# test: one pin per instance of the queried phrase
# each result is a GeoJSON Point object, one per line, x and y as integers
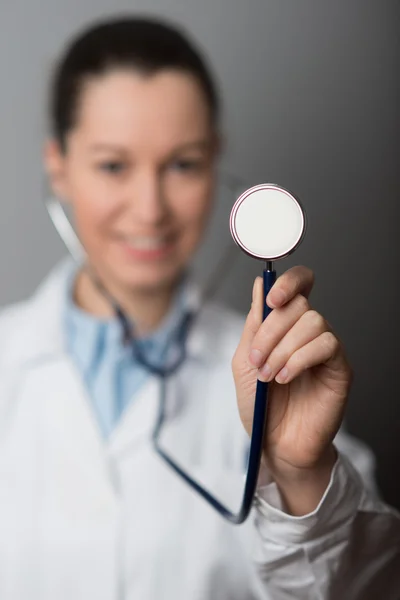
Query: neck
{"type": "Point", "coordinates": [146, 308]}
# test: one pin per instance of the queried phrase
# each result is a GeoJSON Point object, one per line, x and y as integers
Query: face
{"type": "Point", "coordinates": [138, 171]}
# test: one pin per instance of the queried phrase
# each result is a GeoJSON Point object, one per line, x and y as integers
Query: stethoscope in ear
{"type": "Point", "coordinates": [268, 223]}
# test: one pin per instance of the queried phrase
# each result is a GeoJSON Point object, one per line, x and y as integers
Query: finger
{"type": "Point", "coordinates": [297, 280]}
{"type": "Point", "coordinates": [324, 350]}
{"type": "Point", "coordinates": [309, 327]}
{"type": "Point", "coordinates": [274, 328]}
{"type": "Point", "coordinates": [254, 317]}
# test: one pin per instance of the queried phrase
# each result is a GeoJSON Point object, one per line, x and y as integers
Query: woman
{"type": "Point", "coordinates": [87, 509]}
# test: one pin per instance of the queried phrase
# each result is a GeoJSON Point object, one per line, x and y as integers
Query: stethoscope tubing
{"type": "Point", "coordinates": [73, 245]}
{"type": "Point", "coordinates": [256, 442]}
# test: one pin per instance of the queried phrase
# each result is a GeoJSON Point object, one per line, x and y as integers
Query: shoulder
{"type": "Point", "coordinates": [13, 320]}
{"type": "Point", "coordinates": [32, 327]}
{"type": "Point", "coordinates": [15, 325]}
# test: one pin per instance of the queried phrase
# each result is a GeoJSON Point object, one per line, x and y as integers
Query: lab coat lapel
{"type": "Point", "coordinates": [52, 388]}
{"type": "Point", "coordinates": [137, 423]}
{"type": "Point", "coordinates": [138, 420]}
{"type": "Point", "coordinates": [68, 426]}
{"type": "Point", "coordinates": [62, 390]}
{"type": "Point", "coordinates": [63, 487]}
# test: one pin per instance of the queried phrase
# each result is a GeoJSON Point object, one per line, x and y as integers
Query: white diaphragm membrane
{"type": "Point", "coordinates": [267, 222]}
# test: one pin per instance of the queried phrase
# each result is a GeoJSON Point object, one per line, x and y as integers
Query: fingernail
{"type": "Point", "coordinates": [266, 372]}
{"type": "Point", "coordinates": [282, 375]}
{"type": "Point", "coordinates": [277, 297]}
{"type": "Point", "coordinates": [256, 358]}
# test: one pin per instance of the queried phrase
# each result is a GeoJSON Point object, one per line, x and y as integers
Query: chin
{"type": "Point", "coordinates": [148, 280]}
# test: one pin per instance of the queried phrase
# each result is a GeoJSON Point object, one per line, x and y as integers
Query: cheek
{"type": "Point", "coordinates": [93, 207]}
{"type": "Point", "coordinates": [193, 211]}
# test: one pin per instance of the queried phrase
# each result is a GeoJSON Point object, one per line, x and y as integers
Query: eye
{"type": "Point", "coordinates": [187, 165]}
{"type": "Point", "coordinates": [114, 167]}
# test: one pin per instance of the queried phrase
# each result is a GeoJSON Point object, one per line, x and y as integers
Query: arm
{"type": "Point", "coordinates": [319, 528]}
{"type": "Point", "coordinates": [348, 547]}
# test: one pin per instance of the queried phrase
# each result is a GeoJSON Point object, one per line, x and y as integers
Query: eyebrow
{"type": "Point", "coordinates": [195, 145]}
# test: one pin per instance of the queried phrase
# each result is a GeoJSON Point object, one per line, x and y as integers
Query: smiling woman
{"type": "Point", "coordinates": [87, 508]}
{"type": "Point", "coordinates": [141, 183]}
{"type": "Point", "coordinates": [139, 173]}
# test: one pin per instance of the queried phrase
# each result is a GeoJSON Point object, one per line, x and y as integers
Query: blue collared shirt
{"type": "Point", "coordinates": [107, 366]}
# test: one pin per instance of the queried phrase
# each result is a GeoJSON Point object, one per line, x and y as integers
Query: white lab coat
{"type": "Point", "coordinates": [81, 518]}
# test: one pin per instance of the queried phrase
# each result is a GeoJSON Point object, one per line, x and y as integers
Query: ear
{"type": "Point", "coordinates": [55, 165]}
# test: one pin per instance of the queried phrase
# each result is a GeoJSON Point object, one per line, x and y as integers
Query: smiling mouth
{"type": "Point", "coordinates": [147, 247]}
{"type": "Point", "coordinates": [147, 243]}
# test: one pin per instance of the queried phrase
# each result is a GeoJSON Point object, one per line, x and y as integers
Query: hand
{"type": "Point", "coordinates": [296, 350]}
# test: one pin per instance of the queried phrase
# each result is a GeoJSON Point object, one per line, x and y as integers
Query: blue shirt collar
{"type": "Point", "coordinates": [88, 334]}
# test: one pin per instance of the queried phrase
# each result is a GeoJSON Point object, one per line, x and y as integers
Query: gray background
{"type": "Point", "coordinates": [311, 92]}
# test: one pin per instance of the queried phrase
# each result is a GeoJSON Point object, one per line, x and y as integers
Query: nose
{"type": "Point", "coordinates": [146, 198]}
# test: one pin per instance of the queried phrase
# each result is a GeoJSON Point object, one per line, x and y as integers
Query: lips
{"type": "Point", "coordinates": [147, 247]}
{"type": "Point", "coordinates": [146, 243]}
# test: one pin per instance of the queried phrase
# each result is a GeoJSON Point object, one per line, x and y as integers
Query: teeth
{"type": "Point", "coordinates": [145, 243]}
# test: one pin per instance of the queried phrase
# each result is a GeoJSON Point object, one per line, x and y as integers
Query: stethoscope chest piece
{"type": "Point", "coordinates": [267, 222]}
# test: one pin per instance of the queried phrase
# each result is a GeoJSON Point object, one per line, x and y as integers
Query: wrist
{"type": "Point", "coordinates": [302, 488]}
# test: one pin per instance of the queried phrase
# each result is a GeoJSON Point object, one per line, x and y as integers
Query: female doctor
{"type": "Point", "coordinates": [87, 510]}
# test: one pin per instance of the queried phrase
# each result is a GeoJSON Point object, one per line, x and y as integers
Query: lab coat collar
{"type": "Point", "coordinates": [41, 336]}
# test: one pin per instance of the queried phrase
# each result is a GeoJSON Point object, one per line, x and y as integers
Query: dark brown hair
{"type": "Point", "coordinates": [143, 44]}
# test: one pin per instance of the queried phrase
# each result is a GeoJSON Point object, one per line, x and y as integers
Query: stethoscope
{"type": "Point", "coordinates": [268, 223]}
